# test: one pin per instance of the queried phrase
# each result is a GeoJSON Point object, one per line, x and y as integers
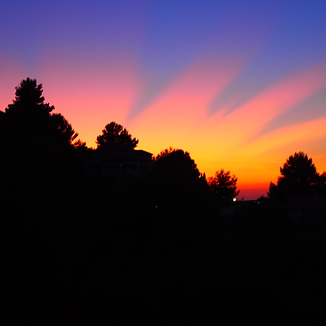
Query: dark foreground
{"type": "Point", "coordinates": [66, 263]}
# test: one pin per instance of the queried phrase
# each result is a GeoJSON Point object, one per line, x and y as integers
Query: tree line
{"type": "Point", "coordinates": [30, 124]}
{"type": "Point", "coordinates": [28, 127]}
{"type": "Point", "coordinates": [156, 246]}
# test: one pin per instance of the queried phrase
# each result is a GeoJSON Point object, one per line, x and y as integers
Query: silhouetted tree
{"type": "Point", "coordinates": [29, 96]}
{"type": "Point", "coordinates": [176, 164]}
{"type": "Point", "coordinates": [115, 135]}
{"type": "Point", "coordinates": [298, 176]}
{"type": "Point", "coordinates": [178, 184]}
{"type": "Point", "coordinates": [29, 119]}
{"type": "Point", "coordinates": [36, 146]}
{"type": "Point", "coordinates": [322, 182]}
{"type": "Point", "coordinates": [63, 129]}
{"type": "Point", "coordinates": [223, 185]}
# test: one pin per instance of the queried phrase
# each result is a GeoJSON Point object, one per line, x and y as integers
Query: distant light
{"type": "Point", "coordinates": [234, 199]}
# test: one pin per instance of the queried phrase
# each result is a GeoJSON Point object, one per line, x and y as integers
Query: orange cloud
{"type": "Point", "coordinates": [176, 115]}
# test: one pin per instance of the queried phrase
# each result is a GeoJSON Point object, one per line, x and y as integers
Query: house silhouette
{"type": "Point", "coordinates": [116, 161]}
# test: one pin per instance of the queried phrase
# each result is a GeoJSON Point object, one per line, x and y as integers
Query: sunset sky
{"type": "Point", "coordinates": [240, 85]}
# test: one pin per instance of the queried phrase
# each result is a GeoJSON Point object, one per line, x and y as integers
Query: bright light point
{"type": "Point", "coordinates": [234, 199]}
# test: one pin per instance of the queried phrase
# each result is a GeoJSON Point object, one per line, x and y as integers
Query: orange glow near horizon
{"type": "Point", "coordinates": [178, 115]}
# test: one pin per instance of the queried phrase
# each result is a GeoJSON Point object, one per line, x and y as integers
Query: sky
{"type": "Point", "coordinates": [240, 85]}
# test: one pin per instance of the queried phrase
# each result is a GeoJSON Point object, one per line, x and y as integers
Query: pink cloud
{"type": "Point", "coordinates": [285, 94]}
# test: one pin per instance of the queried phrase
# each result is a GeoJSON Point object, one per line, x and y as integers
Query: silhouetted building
{"type": "Point", "coordinates": [117, 162]}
